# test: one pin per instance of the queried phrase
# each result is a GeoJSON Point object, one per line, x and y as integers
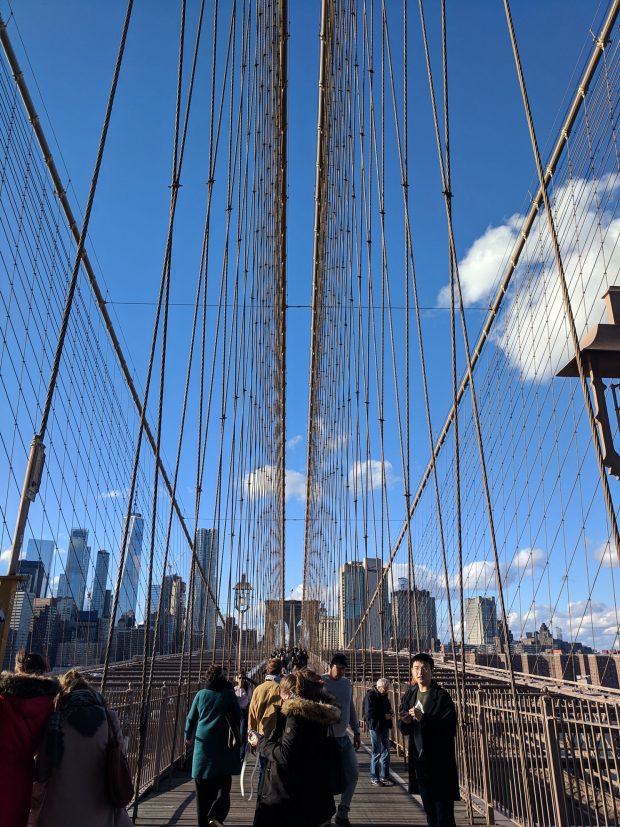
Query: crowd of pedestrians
{"type": "Point", "coordinates": [292, 658]}
{"type": "Point", "coordinates": [56, 734]}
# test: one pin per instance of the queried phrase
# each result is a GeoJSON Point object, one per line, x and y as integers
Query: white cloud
{"type": "Point", "coordinates": [480, 269]}
{"type": "Point", "coordinates": [606, 554]}
{"type": "Point", "coordinates": [593, 623]}
{"type": "Point", "coordinates": [295, 485]}
{"type": "Point", "coordinates": [370, 474]}
{"type": "Point", "coordinates": [5, 556]}
{"type": "Point", "coordinates": [532, 330]}
{"type": "Point", "coordinates": [296, 593]}
{"type": "Point", "coordinates": [263, 482]}
{"type": "Point", "coordinates": [478, 576]}
{"type": "Point", "coordinates": [294, 441]}
{"type": "Point", "coordinates": [333, 440]}
{"type": "Point", "coordinates": [111, 495]}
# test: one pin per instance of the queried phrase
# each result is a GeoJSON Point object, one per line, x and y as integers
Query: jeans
{"type": "Point", "coordinates": [380, 742]}
{"type": "Point", "coordinates": [350, 772]}
{"type": "Point", "coordinates": [212, 798]}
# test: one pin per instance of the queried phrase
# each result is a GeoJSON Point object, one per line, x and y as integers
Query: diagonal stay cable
{"type": "Point", "coordinates": [478, 429]}
{"type": "Point", "coordinates": [174, 189]}
{"type": "Point", "coordinates": [73, 227]}
{"type": "Point", "coordinates": [515, 255]}
{"type": "Point", "coordinates": [566, 299]}
{"type": "Point", "coordinates": [39, 437]}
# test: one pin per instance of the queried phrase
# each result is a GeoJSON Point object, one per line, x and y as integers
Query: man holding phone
{"type": "Point", "coordinates": [428, 716]}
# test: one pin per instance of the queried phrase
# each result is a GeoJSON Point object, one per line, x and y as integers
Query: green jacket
{"type": "Point", "coordinates": [207, 723]}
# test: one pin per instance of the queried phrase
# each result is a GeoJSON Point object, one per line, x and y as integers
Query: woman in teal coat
{"type": "Point", "coordinates": [214, 709]}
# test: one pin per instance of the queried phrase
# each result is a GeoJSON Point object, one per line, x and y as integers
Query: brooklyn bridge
{"type": "Point", "coordinates": [310, 339]}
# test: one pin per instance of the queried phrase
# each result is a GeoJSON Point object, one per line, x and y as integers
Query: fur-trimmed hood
{"type": "Point", "coordinates": [320, 712]}
{"type": "Point", "coordinates": [28, 686]}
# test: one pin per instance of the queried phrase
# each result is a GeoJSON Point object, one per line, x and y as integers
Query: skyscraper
{"type": "Point", "coordinates": [207, 542]}
{"type": "Point", "coordinates": [128, 595]}
{"type": "Point", "coordinates": [358, 582]}
{"type": "Point", "coordinates": [19, 629]}
{"type": "Point", "coordinates": [100, 581]}
{"type": "Point", "coordinates": [42, 550]}
{"type": "Point", "coordinates": [172, 614]}
{"type": "Point", "coordinates": [34, 570]}
{"type": "Point", "coordinates": [405, 602]}
{"type": "Point", "coordinates": [350, 601]}
{"type": "Point", "coordinates": [72, 583]}
{"type": "Point", "coordinates": [480, 620]}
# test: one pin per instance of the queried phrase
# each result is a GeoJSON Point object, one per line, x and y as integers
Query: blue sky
{"type": "Point", "coordinates": [71, 47]}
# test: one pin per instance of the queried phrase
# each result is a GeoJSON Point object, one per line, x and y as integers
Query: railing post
{"type": "Point", "coordinates": [160, 736]}
{"type": "Point", "coordinates": [554, 763]}
{"type": "Point", "coordinates": [489, 813]}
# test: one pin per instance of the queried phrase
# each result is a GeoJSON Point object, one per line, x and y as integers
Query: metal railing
{"type": "Point", "coordinates": [572, 752]}
{"type": "Point", "coordinates": [160, 733]}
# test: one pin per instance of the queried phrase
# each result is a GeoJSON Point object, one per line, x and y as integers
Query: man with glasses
{"type": "Point", "coordinates": [428, 716]}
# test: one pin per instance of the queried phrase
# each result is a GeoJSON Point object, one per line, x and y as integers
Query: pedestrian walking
{"type": "Point", "coordinates": [295, 784]}
{"type": "Point", "coordinates": [72, 768]}
{"type": "Point", "coordinates": [378, 715]}
{"type": "Point", "coordinates": [26, 702]}
{"type": "Point", "coordinates": [265, 699]}
{"type": "Point", "coordinates": [243, 691]}
{"type": "Point", "coordinates": [341, 688]}
{"type": "Point", "coordinates": [428, 716]}
{"type": "Point", "coordinates": [213, 714]}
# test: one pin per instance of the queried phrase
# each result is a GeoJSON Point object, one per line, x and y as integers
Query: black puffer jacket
{"type": "Point", "coordinates": [295, 783]}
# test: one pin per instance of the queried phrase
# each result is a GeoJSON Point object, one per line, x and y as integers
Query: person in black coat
{"type": "Point", "coordinates": [295, 785]}
{"type": "Point", "coordinates": [428, 716]}
{"type": "Point", "coordinates": [378, 715]}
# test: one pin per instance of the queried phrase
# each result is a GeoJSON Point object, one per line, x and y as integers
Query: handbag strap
{"type": "Point", "coordinates": [112, 739]}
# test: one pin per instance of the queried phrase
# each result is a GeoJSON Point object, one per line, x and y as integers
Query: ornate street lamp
{"type": "Point", "coordinates": [600, 351]}
{"type": "Point", "coordinates": [243, 597]}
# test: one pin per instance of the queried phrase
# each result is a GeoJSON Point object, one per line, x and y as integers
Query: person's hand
{"type": "Point", "coordinates": [253, 738]}
{"type": "Point", "coordinates": [357, 742]}
{"type": "Point", "coordinates": [417, 714]}
{"type": "Point", "coordinates": [412, 712]}
{"type": "Point", "coordinates": [388, 716]}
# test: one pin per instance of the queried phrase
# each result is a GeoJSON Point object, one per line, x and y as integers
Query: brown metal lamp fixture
{"type": "Point", "coordinates": [600, 351]}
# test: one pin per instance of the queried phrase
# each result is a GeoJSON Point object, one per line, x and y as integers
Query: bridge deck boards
{"type": "Point", "coordinates": [371, 805]}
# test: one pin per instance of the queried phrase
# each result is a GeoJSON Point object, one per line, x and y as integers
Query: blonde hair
{"type": "Point", "coordinates": [72, 680]}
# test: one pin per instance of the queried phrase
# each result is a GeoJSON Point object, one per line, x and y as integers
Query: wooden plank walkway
{"type": "Point", "coordinates": [371, 805]}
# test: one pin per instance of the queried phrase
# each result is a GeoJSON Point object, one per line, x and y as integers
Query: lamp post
{"type": "Point", "coordinates": [243, 596]}
{"type": "Point", "coordinates": [600, 351]}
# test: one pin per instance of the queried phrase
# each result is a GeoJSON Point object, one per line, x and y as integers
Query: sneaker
{"type": "Point", "coordinates": [215, 823]}
{"type": "Point", "coordinates": [387, 782]}
{"type": "Point", "coordinates": [375, 781]}
{"type": "Point", "coordinates": [343, 821]}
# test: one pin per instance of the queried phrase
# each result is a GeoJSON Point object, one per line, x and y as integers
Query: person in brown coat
{"type": "Point", "coordinates": [26, 702]}
{"type": "Point", "coordinates": [72, 760]}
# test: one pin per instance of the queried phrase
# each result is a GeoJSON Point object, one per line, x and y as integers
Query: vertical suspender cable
{"type": "Point", "coordinates": [570, 317]}
{"type": "Point", "coordinates": [37, 450]}
{"type": "Point", "coordinates": [478, 428]}
{"type": "Point", "coordinates": [457, 470]}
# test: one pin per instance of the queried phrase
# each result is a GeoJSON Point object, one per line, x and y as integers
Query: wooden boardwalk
{"type": "Point", "coordinates": [371, 805]}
